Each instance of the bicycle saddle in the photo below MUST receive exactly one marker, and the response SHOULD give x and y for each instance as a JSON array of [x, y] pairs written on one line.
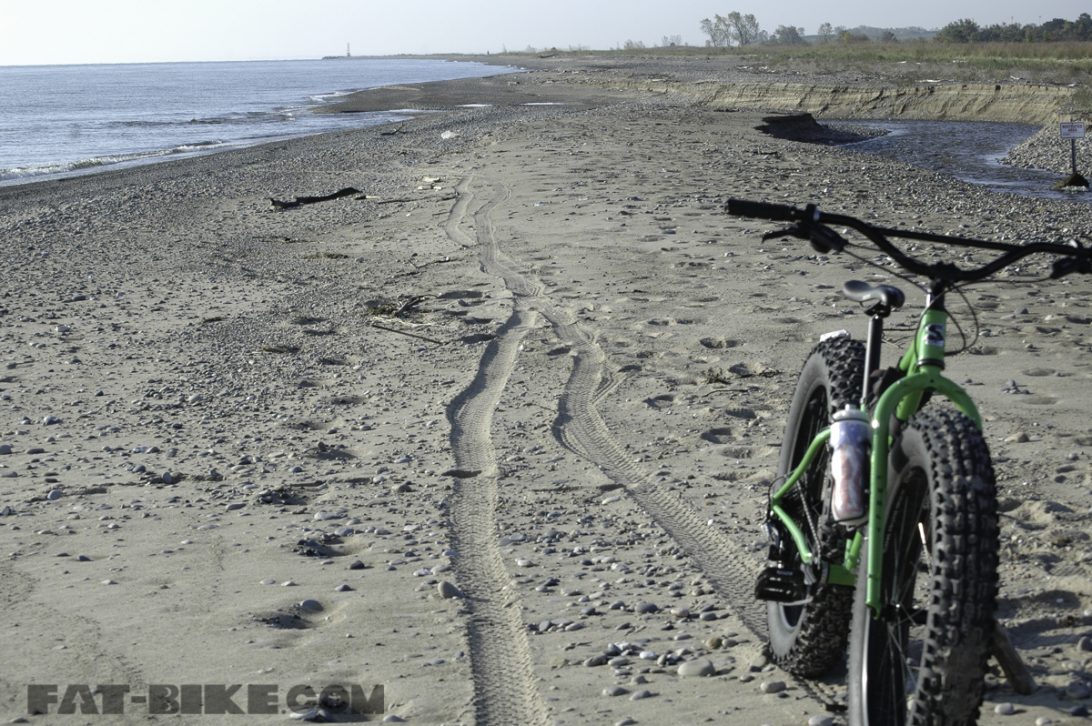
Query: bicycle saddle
[[860, 291]]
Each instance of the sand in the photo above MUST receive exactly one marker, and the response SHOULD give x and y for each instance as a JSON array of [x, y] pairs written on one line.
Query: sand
[[506, 415]]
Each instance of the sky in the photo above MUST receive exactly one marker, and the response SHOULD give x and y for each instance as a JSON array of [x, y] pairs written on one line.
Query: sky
[[132, 31]]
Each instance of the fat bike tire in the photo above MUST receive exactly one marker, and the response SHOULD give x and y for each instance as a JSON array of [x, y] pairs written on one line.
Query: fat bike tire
[[808, 639], [923, 659]]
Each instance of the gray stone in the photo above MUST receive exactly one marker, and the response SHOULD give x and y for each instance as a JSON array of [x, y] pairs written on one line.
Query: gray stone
[[1004, 709], [697, 668], [772, 686], [448, 590], [1077, 691]]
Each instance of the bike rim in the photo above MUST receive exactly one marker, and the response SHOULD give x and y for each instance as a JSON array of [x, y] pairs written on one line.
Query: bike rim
[[815, 420], [895, 662]]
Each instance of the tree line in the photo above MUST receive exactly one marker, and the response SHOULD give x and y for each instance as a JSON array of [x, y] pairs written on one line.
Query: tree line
[[1056, 30], [737, 29]]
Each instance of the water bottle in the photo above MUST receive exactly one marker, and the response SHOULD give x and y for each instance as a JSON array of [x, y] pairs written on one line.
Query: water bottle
[[850, 444]]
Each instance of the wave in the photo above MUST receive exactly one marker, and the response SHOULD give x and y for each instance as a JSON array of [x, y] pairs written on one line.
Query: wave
[[279, 115], [24, 173]]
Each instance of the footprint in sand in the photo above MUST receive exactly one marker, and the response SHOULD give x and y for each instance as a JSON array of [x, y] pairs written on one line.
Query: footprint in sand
[[719, 435], [719, 343], [661, 402]]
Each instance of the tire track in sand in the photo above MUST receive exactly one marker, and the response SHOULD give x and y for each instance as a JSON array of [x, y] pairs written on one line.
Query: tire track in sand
[[505, 687], [580, 428]]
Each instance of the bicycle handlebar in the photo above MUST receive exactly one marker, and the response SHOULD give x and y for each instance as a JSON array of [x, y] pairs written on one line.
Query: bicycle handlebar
[[813, 225]]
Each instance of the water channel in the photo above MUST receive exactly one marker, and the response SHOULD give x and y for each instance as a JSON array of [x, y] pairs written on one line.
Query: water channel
[[970, 151]]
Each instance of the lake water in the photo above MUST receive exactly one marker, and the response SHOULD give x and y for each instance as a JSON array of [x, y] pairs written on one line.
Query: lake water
[[75, 119]]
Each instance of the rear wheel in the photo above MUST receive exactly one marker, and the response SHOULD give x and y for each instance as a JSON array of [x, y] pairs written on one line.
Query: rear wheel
[[923, 659], [808, 638]]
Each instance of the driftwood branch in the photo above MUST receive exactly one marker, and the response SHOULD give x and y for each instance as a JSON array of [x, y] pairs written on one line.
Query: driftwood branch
[[409, 304], [300, 201], [406, 333]]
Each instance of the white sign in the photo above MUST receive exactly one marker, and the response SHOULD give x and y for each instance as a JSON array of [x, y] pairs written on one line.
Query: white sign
[[1072, 129]]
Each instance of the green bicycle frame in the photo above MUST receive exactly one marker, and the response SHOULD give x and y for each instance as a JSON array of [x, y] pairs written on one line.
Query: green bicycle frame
[[921, 366]]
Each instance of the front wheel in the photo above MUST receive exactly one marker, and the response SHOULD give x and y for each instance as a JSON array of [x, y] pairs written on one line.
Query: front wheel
[[923, 658]]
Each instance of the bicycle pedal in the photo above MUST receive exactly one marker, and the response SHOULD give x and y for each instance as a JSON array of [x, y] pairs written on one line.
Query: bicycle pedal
[[780, 584]]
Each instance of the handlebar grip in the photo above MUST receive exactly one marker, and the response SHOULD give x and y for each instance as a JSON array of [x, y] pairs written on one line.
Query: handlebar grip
[[764, 210]]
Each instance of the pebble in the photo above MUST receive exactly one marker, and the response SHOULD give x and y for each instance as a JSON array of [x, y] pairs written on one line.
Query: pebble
[[322, 516], [595, 661], [818, 720], [448, 590], [697, 669], [1044, 721], [357, 565], [5, 449], [1077, 691], [772, 686], [54, 495], [1004, 709], [613, 691], [230, 507], [311, 605], [627, 721], [641, 695], [645, 608], [343, 587], [1085, 643]]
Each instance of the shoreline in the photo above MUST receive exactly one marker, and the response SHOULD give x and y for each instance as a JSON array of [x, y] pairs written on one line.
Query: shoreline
[[508, 413], [720, 84]]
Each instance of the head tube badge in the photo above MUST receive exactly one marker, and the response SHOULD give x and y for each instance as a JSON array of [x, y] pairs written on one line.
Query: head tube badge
[[934, 335]]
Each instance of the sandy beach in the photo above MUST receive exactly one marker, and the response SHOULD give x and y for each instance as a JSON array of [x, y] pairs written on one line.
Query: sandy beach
[[493, 431]]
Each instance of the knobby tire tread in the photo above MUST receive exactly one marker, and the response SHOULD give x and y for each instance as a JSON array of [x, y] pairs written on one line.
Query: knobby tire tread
[[818, 644], [963, 582]]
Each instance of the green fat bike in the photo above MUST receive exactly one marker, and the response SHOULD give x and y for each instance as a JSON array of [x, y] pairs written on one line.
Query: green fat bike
[[883, 520]]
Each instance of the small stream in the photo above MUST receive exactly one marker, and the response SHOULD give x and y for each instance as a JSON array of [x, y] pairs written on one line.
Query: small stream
[[970, 151]]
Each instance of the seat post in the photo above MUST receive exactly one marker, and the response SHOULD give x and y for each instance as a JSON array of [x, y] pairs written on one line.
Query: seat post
[[872, 347]]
